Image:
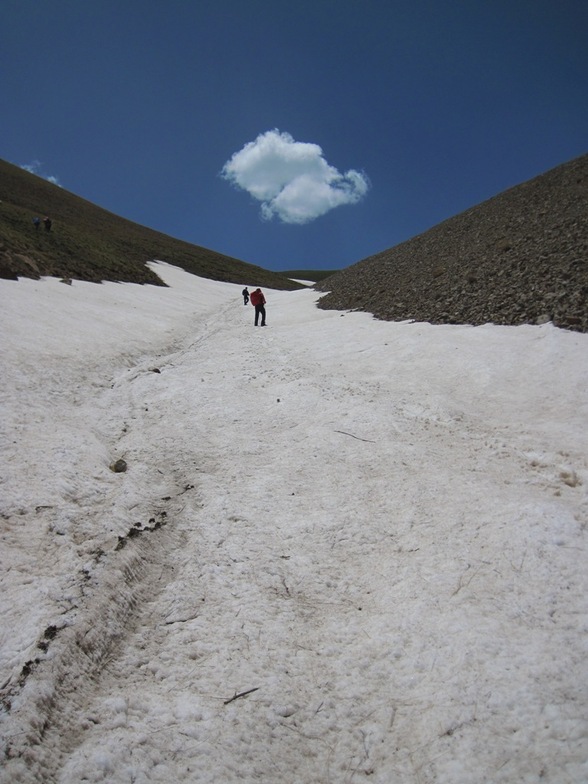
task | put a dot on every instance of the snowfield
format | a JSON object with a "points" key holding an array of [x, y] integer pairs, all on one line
{"points": [[343, 550]]}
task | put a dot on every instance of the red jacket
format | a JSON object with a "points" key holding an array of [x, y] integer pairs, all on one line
{"points": [[256, 297]]}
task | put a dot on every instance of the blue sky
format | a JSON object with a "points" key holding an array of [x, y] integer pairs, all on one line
{"points": [[305, 134]]}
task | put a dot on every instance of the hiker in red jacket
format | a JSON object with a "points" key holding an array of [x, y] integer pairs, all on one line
{"points": [[258, 301]]}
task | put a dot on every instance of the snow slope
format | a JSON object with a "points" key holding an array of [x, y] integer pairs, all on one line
{"points": [[343, 550]]}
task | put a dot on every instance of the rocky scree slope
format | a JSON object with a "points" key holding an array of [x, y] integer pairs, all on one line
{"points": [[518, 258]]}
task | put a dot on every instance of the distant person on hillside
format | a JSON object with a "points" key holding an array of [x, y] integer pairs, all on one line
{"points": [[258, 302], [47, 222], [245, 294], [36, 223]]}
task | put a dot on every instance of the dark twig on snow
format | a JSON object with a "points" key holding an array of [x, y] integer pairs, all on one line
{"points": [[352, 436], [241, 694]]}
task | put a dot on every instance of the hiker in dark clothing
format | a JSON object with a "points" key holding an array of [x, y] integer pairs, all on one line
{"points": [[245, 294], [36, 223], [47, 222], [258, 302]]}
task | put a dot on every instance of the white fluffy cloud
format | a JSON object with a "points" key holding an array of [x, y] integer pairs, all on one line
{"points": [[35, 167], [291, 179]]}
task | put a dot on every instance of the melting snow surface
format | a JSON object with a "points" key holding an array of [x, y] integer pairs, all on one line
{"points": [[343, 550]]}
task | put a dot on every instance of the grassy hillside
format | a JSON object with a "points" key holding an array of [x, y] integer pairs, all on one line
{"points": [[314, 275], [90, 243]]}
